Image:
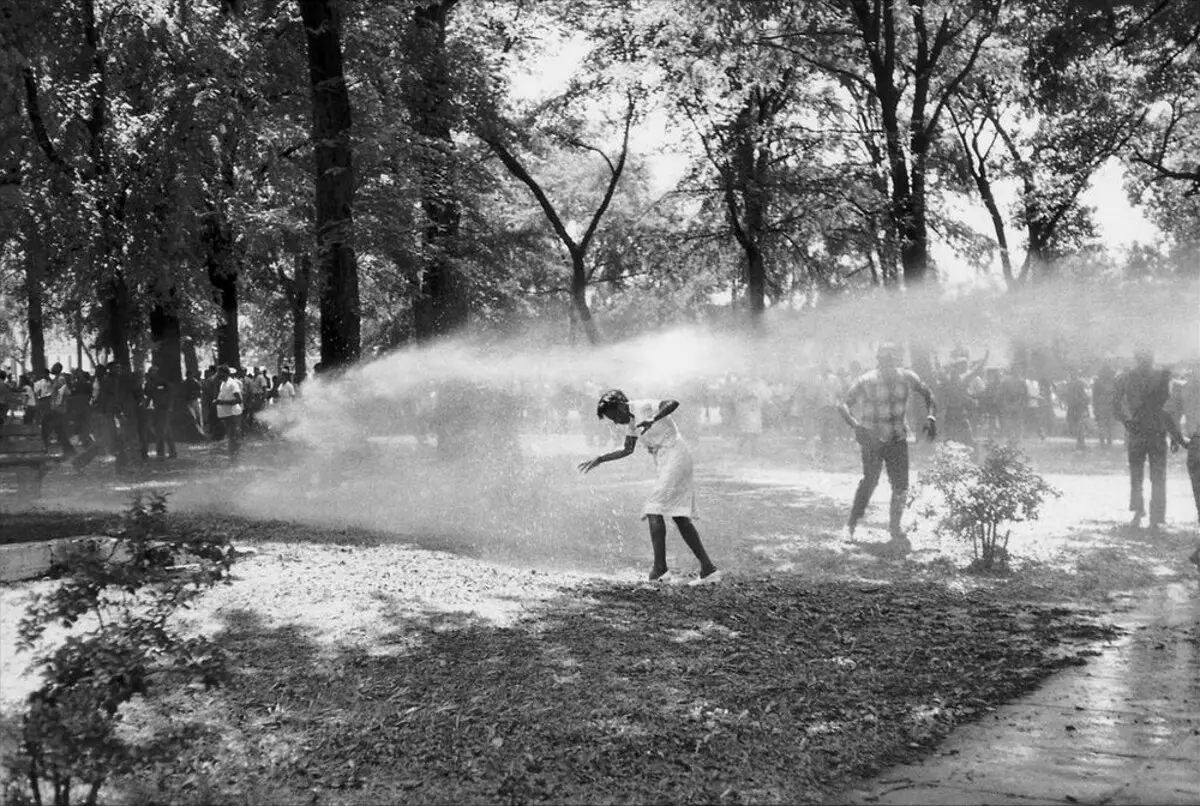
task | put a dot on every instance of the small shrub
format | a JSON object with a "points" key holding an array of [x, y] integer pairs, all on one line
{"points": [[979, 501], [117, 598]]}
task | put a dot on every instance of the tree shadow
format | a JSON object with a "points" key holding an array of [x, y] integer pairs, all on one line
{"points": [[777, 688]]}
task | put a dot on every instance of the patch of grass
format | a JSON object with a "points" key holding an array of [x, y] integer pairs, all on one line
{"points": [[772, 690]]}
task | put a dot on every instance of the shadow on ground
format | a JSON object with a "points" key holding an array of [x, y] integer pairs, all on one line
{"points": [[774, 690]]}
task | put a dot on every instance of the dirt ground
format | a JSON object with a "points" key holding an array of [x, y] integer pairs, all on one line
{"points": [[474, 548], [370, 565]]}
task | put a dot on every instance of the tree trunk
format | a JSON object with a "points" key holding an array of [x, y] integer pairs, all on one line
{"points": [[168, 347], [581, 313], [116, 315], [35, 270], [224, 279], [341, 335], [300, 317], [442, 305]]}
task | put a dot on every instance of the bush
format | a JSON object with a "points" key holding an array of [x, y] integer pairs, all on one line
{"points": [[116, 597], [979, 501]]}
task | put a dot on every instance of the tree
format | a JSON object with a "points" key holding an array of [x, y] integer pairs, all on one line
{"points": [[490, 132], [909, 58], [334, 192]]}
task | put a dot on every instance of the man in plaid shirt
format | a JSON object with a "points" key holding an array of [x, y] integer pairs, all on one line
{"points": [[881, 429]]}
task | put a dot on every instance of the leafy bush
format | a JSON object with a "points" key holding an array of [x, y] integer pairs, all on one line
{"points": [[979, 501], [116, 598]]}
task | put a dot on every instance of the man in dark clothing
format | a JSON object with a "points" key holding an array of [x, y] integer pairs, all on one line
{"points": [[104, 419], [159, 404], [958, 404], [54, 410], [1139, 401]]}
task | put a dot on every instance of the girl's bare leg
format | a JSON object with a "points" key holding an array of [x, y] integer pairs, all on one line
{"points": [[658, 541], [687, 530]]}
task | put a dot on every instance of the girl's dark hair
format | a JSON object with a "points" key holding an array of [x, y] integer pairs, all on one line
{"points": [[609, 401]]}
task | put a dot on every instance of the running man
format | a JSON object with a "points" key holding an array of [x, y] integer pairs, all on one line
{"points": [[882, 432]]}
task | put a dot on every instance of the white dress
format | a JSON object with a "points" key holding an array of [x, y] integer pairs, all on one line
{"points": [[674, 493]]}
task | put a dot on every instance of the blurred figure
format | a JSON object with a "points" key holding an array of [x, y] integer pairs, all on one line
{"points": [[193, 399], [1139, 401], [827, 398], [25, 388], [750, 398], [1185, 399], [1103, 387], [958, 403], [52, 406], [882, 432], [1075, 396], [79, 408], [1013, 404], [285, 398]]}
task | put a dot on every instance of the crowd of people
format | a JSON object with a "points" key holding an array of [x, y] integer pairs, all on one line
{"points": [[122, 412]]}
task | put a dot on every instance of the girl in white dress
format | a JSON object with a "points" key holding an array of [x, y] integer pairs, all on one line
{"points": [[674, 495]]}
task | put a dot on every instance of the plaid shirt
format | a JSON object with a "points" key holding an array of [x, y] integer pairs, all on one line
{"points": [[885, 401]]}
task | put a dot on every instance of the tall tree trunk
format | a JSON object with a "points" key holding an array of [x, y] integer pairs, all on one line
{"points": [[223, 276], [35, 270], [442, 305], [341, 335], [299, 300], [581, 313], [167, 339], [116, 317]]}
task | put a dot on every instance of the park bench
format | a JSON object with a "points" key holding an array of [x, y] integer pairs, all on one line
{"points": [[22, 451]]}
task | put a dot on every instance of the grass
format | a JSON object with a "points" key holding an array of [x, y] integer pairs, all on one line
{"points": [[771, 690]]}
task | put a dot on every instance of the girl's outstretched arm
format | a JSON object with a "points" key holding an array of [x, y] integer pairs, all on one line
{"points": [[665, 408], [630, 444]]}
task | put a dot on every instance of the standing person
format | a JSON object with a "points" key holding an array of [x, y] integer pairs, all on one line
{"points": [[882, 432], [1075, 395], [43, 391], [1139, 401], [193, 399], [674, 494], [958, 404], [26, 388], [79, 408], [102, 419], [229, 408], [158, 392], [54, 410], [1103, 387], [209, 401], [1185, 399], [285, 398]]}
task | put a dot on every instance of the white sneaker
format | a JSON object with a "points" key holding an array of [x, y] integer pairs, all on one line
{"points": [[711, 579]]}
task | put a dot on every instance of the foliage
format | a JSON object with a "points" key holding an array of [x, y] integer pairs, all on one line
{"points": [[147, 146], [981, 500], [116, 599]]}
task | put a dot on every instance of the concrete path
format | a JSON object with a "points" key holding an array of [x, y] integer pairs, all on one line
{"points": [[1124, 729]]}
